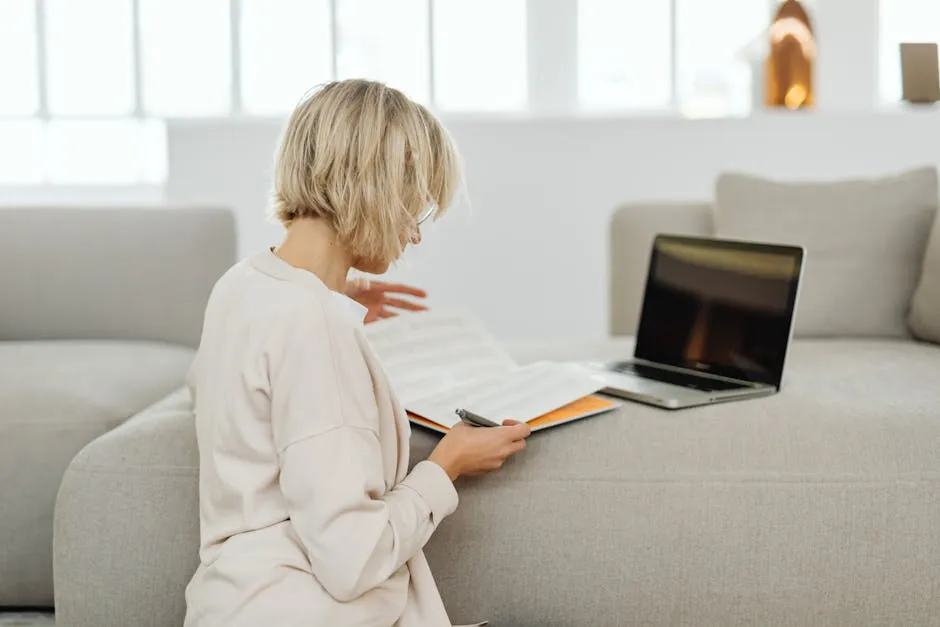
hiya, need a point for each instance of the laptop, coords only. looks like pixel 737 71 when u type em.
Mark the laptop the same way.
pixel 715 325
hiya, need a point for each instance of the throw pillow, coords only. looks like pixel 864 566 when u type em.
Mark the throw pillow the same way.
pixel 924 319
pixel 864 241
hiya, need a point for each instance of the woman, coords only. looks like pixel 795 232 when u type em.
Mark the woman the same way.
pixel 309 516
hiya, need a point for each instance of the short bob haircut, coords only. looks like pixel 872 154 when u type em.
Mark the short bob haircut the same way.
pixel 367 159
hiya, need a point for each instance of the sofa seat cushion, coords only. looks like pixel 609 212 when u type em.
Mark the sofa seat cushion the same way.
pixel 55 397
pixel 848 409
pixel 818 505
pixel 895 377
pixel 815 506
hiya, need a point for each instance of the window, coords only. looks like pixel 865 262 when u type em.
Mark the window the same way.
pixel 713 75
pixel 185 57
pixel 480 55
pixel 625 54
pixel 18 63
pixel 87 84
pixel 89 75
pixel 386 41
pixel 286 48
pixel 903 21
pixel 657 54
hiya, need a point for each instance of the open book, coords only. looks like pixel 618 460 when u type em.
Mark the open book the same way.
pixel 438 362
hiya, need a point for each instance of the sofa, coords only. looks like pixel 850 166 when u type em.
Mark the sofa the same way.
pixel 100 311
pixel 816 506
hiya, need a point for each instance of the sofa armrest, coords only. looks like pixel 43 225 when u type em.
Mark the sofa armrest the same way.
pixel 632 230
pixel 127 523
pixel 141 273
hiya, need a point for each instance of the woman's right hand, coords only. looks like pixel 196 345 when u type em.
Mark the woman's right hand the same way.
pixel 468 450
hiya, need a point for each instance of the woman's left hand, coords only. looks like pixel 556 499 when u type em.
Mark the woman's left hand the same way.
pixel 382 299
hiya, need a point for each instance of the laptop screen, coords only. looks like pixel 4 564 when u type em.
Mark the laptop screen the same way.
pixel 719 307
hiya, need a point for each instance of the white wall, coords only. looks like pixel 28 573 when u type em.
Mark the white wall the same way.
pixel 530 258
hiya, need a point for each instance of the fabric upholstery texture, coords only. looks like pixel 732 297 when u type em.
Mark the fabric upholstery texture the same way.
pixel 99 311
pixel 55 397
pixel 133 490
pixel 924 318
pixel 817 506
pixel 864 242
pixel 139 273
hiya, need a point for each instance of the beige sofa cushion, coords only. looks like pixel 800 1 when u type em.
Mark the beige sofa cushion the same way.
pixel 56 397
pixel 864 241
pixel 924 319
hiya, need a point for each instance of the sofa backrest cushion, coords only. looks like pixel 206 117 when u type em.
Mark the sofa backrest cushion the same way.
pixel 141 273
pixel 632 230
pixel 864 242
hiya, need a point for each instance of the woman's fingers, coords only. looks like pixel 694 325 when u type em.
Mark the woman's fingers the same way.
pixel 516 446
pixel 514 430
pixel 401 303
pixel 514 439
pixel 399 288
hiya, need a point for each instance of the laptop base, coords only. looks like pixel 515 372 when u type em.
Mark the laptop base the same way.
pixel 674 403
pixel 635 387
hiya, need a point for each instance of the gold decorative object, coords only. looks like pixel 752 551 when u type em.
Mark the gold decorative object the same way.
pixel 792 55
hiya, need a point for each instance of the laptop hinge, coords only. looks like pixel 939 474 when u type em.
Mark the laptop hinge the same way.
pixel 699 373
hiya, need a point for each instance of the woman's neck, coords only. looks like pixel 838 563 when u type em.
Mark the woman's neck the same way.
pixel 311 245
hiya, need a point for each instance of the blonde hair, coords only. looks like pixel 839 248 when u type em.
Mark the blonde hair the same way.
pixel 367 159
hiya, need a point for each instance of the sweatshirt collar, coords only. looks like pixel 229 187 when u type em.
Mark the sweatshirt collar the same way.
pixel 272 265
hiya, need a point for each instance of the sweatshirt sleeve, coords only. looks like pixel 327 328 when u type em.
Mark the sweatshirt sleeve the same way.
pixel 356 532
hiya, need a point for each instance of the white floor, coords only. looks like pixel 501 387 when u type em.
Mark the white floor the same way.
pixel 26 619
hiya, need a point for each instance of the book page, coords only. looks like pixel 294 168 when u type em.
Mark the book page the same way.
pixel 523 394
pixel 426 353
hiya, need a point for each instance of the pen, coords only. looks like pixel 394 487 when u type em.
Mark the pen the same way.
pixel 473 419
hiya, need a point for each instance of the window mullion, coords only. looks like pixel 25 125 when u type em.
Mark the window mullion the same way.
pixel 235 66
pixel 137 51
pixel 42 60
pixel 334 40
pixel 432 92
pixel 674 53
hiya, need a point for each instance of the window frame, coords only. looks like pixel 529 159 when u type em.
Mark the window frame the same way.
pixel 551 68
pixel 675 105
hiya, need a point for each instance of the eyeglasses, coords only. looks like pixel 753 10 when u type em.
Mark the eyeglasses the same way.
pixel 415 236
pixel 426 213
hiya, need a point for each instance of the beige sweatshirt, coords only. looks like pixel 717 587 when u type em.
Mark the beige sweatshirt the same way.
pixel 308 514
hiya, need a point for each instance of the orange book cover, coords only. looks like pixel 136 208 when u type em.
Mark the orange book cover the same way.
pixel 581 408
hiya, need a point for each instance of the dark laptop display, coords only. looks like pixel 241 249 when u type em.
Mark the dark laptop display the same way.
pixel 719 307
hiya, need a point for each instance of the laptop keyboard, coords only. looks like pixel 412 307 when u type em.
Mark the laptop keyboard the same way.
pixel 676 378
